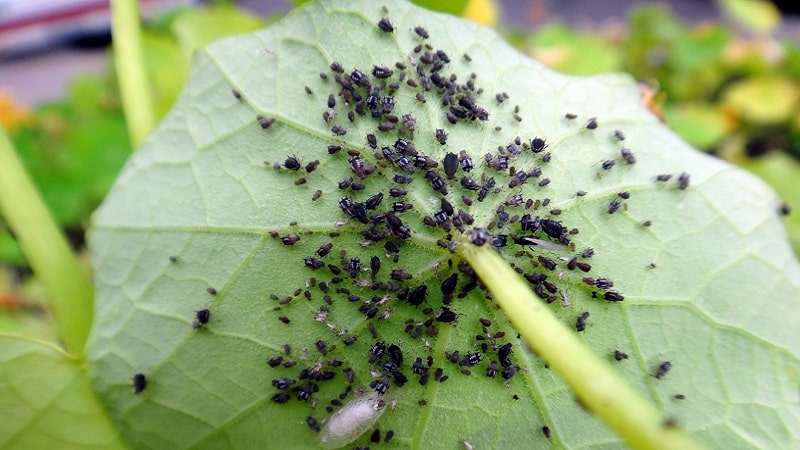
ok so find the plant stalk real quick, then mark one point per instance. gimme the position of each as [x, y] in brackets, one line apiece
[626, 412]
[137, 101]
[70, 293]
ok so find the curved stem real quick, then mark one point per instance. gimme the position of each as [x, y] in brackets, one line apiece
[69, 291]
[131, 72]
[591, 379]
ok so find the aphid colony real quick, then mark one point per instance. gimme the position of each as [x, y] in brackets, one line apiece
[379, 286]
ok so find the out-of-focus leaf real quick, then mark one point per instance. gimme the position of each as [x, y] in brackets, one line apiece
[703, 46]
[560, 48]
[763, 100]
[758, 15]
[484, 12]
[196, 27]
[48, 402]
[701, 124]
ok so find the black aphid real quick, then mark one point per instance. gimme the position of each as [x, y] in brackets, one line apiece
[544, 182]
[437, 182]
[417, 295]
[312, 423]
[465, 161]
[546, 431]
[381, 71]
[580, 322]
[441, 136]
[619, 356]
[628, 156]
[397, 227]
[784, 209]
[402, 206]
[376, 436]
[450, 164]
[139, 383]
[354, 267]
[283, 383]
[316, 195]
[373, 201]
[385, 25]
[333, 149]
[290, 239]
[664, 177]
[485, 188]
[421, 32]
[448, 286]
[570, 116]
[275, 361]
[336, 67]
[402, 179]
[300, 181]
[280, 397]
[324, 249]
[313, 263]
[339, 130]
[446, 315]
[285, 319]
[679, 397]
[353, 209]
[374, 265]
[548, 263]
[509, 372]
[470, 359]
[538, 144]
[612, 296]
[663, 369]
[479, 236]
[372, 141]
[389, 435]
[292, 163]
[396, 355]
[418, 367]
[382, 385]
[397, 192]
[591, 124]
[265, 122]
[201, 318]
[613, 206]
[683, 180]
[608, 164]
[469, 183]
[603, 283]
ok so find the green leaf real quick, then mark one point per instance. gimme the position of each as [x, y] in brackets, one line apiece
[48, 400]
[757, 15]
[702, 125]
[580, 54]
[704, 286]
[763, 100]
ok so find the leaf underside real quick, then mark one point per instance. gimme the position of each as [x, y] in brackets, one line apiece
[711, 285]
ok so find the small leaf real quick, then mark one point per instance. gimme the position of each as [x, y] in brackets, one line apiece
[218, 212]
[48, 400]
[763, 100]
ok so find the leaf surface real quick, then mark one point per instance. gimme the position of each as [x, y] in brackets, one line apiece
[710, 286]
[48, 401]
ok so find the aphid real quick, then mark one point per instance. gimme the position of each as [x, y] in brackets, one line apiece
[317, 194]
[402, 206]
[485, 188]
[628, 156]
[450, 164]
[470, 359]
[425, 162]
[420, 96]
[784, 209]
[352, 209]
[570, 116]
[619, 356]
[547, 262]
[603, 283]
[683, 180]
[396, 355]
[417, 295]
[663, 369]
[382, 385]
[469, 183]
[423, 380]
[275, 361]
[281, 397]
[465, 160]
[396, 192]
[608, 164]
[139, 383]
[336, 67]
[402, 179]
[201, 318]
[373, 201]
[339, 130]
[437, 182]
[591, 124]
[385, 25]
[292, 163]
[544, 182]
[647, 223]
[375, 437]
[290, 239]
[679, 397]
[285, 319]
[612, 296]
[538, 144]
[441, 136]
[309, 91]
[664, 177]
[300, 181]
[509, 372]
[580, 322]
[613, 206]
[381, 71]
[624, 195]
[265, 122]
[446, 315]
[351, 421]
[546, 431]
[421, 32]
[388, 436]
[324, 249]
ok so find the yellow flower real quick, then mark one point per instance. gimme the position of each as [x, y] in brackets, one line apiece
[484, 12]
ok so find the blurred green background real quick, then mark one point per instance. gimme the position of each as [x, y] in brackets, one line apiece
[729, 86]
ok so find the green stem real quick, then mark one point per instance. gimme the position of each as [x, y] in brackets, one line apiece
[129, 61]
[591, 379]
[67, 283]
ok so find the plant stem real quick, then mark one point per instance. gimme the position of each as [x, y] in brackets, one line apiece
[129, 61]
[69, 290]
[591, 379]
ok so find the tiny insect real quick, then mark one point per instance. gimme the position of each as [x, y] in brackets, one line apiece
[139, 383]
[265, 122]
[663, 369]
[201, 318]
[292, 163]
[619, 356]
[580, 322]
[628, 156]
[441, 136]
[683, 181]
[385, 25]
[608, 164]
[421, 32]
[591, 124]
